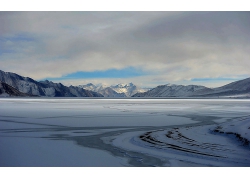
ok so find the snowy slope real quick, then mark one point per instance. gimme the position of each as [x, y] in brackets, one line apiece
[7, 90]
[90, 87]
[236, 88]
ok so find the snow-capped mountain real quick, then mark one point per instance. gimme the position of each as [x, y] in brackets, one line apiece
[119, 90]
[128, 89]
[235, 89]
[43, 88]
[102, 89]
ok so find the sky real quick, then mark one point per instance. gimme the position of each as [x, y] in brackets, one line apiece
[147, 48]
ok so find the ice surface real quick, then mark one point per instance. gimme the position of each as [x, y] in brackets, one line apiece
[113, 132]
[23, 151]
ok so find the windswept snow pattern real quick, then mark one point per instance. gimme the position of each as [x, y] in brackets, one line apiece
[193, 146]
[124, 132]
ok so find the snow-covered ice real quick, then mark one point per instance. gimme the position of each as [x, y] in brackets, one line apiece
[124, 132]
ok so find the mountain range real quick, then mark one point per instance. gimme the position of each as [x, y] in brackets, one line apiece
[43, 88]
[12, 84]
[239, 88]
[50, 89]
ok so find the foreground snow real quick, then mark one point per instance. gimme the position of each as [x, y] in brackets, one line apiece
[124, 132]
[238, 127]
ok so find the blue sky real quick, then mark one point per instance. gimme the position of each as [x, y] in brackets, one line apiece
[129, 72]
[146, 48]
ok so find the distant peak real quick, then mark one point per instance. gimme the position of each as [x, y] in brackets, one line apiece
[46, 81]
[101, 85]
[123, 85]
[90, 84]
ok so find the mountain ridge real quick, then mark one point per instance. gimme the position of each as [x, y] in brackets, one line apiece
[239, 88]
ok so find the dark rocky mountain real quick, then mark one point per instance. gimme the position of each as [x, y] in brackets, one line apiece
[43, 88]
[7, 90]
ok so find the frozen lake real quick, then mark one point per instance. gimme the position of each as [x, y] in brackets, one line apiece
[121, 132]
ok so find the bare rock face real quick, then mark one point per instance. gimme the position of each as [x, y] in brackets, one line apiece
[7, 90]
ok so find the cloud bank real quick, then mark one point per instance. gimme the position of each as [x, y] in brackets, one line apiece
[165, 46]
